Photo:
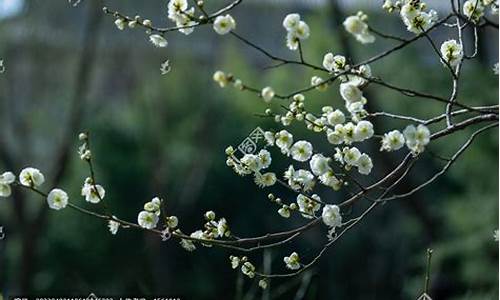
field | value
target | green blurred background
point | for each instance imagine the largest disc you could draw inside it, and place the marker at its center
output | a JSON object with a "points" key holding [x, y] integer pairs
{"points": [[70, 69]]}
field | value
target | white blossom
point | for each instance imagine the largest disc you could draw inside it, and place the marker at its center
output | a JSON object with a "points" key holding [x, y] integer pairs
{"points": [[335, 117], [415, 19], [284, 140], [224, 24], [350, 92], [318, 83], [452, 52], [308, 206], [267, 94], [363, 131], [301, 150], [296, 30], [185, 21], [292, 262], [187, 245], [265, 180], [31, 177], [201, 235], [223, 228], [147, 219], [284, 211], [263, 284], [364, 164], [356, 26], [348, 132], [351, 156], [365, 73], [416, 138], [120, 23], [248, 269], [252, 162], [291, 22], [334, 63], [113, 226], [336, 136], [329, 179], [264, 158], [298, 179], [172, 222], [302, 31], [473, 9], [221, 78], [319, 164], [92, 193], [6, 179], [176, 8], [57, 199], [132, 24], [292, 41], [331, 216], [269, 137], [158, 40], [152, 207], [393, 140], [235, 261]]}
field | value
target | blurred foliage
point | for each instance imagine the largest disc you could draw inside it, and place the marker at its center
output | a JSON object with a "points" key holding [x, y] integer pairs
{"points": [[166, 135]]}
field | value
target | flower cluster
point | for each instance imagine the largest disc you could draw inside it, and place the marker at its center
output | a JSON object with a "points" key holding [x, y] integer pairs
{"points": [[351, 83], [414, 14], [345, 129], [213, 229], [297, 30], [475, 9], [148, 218], [156, 39], [416, 138], [32, 178], [84, 151], [356, 25], [182, 15], [224, 79], [308, 206], [2, 67], [351, 157], [247, 268], [252, 164]]}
